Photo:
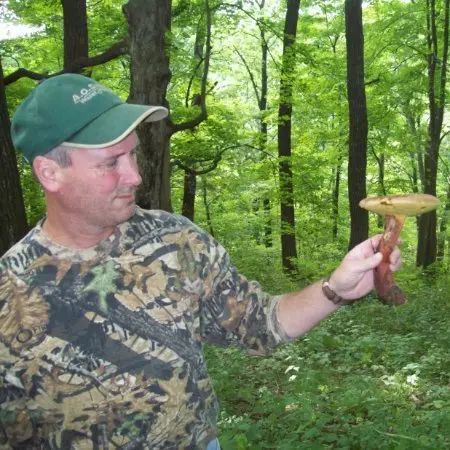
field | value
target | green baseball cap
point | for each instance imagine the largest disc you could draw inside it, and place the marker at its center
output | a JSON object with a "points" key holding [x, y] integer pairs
{"points": [[76, 111]]}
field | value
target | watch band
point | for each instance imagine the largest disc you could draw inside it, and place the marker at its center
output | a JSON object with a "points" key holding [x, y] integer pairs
{"points": [[330, 294]]}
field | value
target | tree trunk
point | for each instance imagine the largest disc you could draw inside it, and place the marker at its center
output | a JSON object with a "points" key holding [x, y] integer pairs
{"points": [[190, 187], [421, 168], [358, 126], [335, 195], [267, 223], [437, 77], [12, 211], [417, 168], [149, 22], [202, 42], [427, 245], [414, 173], [207, 209], [263, 133], [288, 241], [75, 30], [381, 188]]}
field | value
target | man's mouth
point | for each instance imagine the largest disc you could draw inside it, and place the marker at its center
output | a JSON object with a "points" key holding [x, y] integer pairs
{"points": [[126, 196]]}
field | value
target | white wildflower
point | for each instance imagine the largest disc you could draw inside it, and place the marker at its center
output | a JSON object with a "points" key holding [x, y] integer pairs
{"points": [[388, 380], [295, 368]]}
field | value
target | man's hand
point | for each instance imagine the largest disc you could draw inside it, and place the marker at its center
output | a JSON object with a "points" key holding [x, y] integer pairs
{"points": [[354, 277], [298, 312]]}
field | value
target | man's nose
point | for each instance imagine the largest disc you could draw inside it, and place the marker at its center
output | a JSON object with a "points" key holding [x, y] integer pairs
{"points": [[131, 171]]}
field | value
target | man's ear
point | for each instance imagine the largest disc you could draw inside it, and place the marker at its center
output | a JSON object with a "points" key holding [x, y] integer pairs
{"points": [[48, 172]]}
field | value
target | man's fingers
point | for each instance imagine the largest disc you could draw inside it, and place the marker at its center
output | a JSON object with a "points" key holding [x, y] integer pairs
{"points": [[375, 241], [371, 262], [395, 260]]}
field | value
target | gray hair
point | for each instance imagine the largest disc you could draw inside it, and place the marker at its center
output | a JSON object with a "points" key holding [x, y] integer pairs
{"points": [[61, 155]]}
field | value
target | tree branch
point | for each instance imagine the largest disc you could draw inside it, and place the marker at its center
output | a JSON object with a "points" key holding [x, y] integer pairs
{"points": [[443, 136], [116, 50], [214, 163], [255, 19], [191, 81], [250, 74]]}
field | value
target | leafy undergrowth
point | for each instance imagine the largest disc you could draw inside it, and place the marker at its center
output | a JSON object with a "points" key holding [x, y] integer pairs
{"points": [[369, 377]]}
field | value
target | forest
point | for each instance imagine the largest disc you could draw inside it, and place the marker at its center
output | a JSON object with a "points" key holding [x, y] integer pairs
{"points": [[284, 115]]}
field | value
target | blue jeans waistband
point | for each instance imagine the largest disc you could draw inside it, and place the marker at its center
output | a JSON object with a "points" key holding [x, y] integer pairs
{"points": [[213, 445]]}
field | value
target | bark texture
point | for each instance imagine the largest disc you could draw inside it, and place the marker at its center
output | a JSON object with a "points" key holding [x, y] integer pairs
{"points": [[190, 188], [288, 241], [335, 197], [149, 21], [12, 212], [207, 209], [358, 126], [75, 30], [262, 103]]}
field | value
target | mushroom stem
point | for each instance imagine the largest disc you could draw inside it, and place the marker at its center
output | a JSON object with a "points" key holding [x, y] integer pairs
{"points": [[388, 292]]}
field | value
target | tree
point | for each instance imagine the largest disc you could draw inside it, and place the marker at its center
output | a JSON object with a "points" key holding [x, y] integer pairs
{"points": [[288, 241], [190, 183], [437, 78], [358, 124], [12, 211], [75, 30], [149, 24], [202, 49]]}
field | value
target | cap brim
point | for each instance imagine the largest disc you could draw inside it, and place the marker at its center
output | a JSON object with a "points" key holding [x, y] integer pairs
{"points": [[114, 125]]}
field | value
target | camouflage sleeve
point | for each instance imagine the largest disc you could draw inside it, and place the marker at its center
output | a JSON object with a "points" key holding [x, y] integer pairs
{"points": [[237, 311], [15, 417]]}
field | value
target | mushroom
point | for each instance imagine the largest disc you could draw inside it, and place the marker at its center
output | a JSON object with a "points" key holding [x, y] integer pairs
{"points": [[395, 208]]}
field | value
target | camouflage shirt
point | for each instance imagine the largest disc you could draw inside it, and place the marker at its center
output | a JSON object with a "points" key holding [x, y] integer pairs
{"points": [[102, 347]]}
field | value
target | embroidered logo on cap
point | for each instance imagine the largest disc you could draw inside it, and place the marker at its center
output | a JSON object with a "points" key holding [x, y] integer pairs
{"points": [[87, 94]]}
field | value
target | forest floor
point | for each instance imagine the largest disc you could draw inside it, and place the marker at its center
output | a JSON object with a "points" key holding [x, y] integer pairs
{"points": [[369, 377]]}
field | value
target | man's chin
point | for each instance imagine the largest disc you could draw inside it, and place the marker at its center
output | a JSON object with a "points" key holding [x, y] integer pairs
{"points": [[124, 213], [128, 210]]}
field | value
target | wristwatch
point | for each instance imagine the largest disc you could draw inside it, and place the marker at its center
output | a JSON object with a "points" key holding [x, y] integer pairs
{"points": [[330, 294]]}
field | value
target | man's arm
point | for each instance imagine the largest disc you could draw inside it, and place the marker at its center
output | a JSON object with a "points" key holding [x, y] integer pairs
{"points": [[301, 311]]}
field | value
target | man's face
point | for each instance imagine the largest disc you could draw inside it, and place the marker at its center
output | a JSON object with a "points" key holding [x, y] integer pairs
{"points": [[99, 187]]}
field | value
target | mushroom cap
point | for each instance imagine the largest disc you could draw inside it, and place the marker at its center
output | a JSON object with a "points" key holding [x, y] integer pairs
{"points": [[400, 205]]}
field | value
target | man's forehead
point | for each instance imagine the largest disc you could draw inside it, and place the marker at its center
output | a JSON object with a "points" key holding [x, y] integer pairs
{"points": [[128, 143], [125, 146]]}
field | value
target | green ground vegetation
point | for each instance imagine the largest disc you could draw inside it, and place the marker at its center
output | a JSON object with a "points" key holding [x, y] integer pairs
{"points": [[369, 377]]}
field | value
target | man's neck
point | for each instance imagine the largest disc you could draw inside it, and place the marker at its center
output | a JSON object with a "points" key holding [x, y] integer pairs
{"points": [[72, 234]]}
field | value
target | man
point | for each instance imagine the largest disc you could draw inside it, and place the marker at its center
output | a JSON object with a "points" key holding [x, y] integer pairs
{"points": [[104, 306]]}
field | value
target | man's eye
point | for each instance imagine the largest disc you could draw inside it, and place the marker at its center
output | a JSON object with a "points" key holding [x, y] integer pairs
{"points": [[111, 164]]}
